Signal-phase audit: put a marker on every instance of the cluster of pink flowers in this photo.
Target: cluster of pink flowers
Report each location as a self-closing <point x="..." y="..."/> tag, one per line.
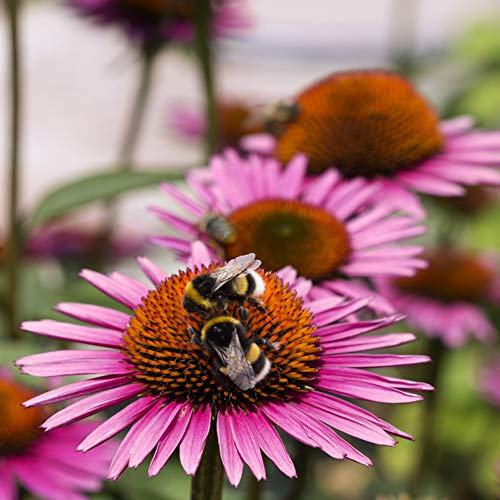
<point x="329" y="239"/>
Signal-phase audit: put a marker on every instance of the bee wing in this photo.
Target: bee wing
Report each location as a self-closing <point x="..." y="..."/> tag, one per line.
<point x="238" y="368"/>
<point x="234" y="268"/>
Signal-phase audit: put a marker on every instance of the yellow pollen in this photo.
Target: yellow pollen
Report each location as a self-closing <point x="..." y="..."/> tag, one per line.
<point x="364" y="123"/>
<point x="283" y="232"/>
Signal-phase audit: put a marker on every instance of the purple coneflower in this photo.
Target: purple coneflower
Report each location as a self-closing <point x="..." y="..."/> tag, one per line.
<point x="446" y="299"/>
<point x="374" y="124"/>
<point x="173" y="395"/>
<point x="46" y="465"/>
<point x="234" y="119"/>
<point x="331" y="230"/>
<point x="161" y="21"/>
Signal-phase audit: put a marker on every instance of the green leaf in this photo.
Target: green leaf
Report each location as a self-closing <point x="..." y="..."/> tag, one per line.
<point x="98" y="187"/>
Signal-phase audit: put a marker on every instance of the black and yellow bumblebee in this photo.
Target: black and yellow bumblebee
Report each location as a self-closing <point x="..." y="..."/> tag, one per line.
<point x="279" y="115"/>
<point x="235" y="355"/>
<point x="218" y="228"/>
<point x="236" y="281"/>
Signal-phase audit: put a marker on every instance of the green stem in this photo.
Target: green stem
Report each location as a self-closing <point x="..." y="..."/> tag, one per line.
<point x="207" y="483"/>
<point x="135" y="122"/>
<point x="403" y="34"/>
<point x="254" y="489"/>
<point x="204" y="53"/>
<point x="429" y="456"/>
<point x="126" y="152"/>
<point x="14" y="243"/>
<point x="303" y="466"/>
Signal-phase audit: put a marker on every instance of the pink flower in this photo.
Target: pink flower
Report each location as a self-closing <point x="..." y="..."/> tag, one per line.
<point x="446" y="299"/>
<point x="489" y="381"/>
<point x="331" y="230"/>
<point x="47" y="465"/>
<point x="374" y="124"/>
<point x="157" y="22"/>
<point x="171" y="389"/>
<point x="234" y="121"/>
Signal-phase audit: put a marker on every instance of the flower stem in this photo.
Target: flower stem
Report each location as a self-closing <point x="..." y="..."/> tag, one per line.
<point x="135" y="122"/>
<point x="207" y="483"/>
<point x="14" y="243"/>
<point x="254" y="488"/>
<point x="303" y="463"/>
<point x="205" y="60"/>
<point x="429" y="455"/>
<point x="127" y="151"/>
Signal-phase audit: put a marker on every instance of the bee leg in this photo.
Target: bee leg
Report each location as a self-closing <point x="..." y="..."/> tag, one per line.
<point x="195" y="338"/>
<point x="272" y="345"/>
<point x="257" y="305"/>
<point x="220" y="373"/>
<point x="243" y="313"/>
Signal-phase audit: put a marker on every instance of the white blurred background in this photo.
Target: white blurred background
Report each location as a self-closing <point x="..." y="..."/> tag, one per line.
<point x="79" y="78"/>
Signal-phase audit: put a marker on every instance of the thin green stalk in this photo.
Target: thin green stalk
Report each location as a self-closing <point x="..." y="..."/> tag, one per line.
<point x="14" y="243"/>
<point x="207" y="483"/>
<point x="303" y="465"/>
<point x="403" y="24"/>
<point x="136" y="119"/>
<point x="429" y="456"/>
<point x="127" y="150"/>
<point x="254" y="488"/>
<point x="205" y="60"/>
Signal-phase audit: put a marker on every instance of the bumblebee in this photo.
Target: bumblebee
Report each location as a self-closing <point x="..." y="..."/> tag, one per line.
<point x="218" y="228"/>
<point x="280" y="115"/>
<point x="237" y="281"/>
<point x="237" y="357"/>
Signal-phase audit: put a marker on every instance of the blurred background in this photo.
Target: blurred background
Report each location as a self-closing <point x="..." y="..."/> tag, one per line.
<point x="78" y="83"/>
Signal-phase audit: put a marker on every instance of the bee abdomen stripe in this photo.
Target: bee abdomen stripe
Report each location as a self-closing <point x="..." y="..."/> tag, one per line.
<point x="196" y="297"/>
<point x="253" y="353"/>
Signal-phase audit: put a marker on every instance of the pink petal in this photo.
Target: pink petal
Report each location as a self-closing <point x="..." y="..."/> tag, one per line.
<point x="270" y="443"/>
<point x="170" y="439"/>
<point x="429" y="184"/>
<point x="193" y="443"/>
<point x="187" y="203"/>
<point x="368" y="391"/>
<point x="366" y="343"/>
<point x="71" y="362"/>
<point x="151" y="270"/>
<point x="457" y="125"/>
<point x="319" y="188"/>
<point x="376" y="360"/>
<point x="76" y="390"/>
<point x="122" y="455"/>
<point x="103" y="337"/>
<point x="233" y="465"/>
<point x="91" y="405"/>
<point x="96" y="315"/>
<point x="200" y="255"/>
<point x="292" y="179"/>
<point x="178" y="223"/>
<point x="8" y="489"/>
<point x="117" y="422"/>
<point x="152" y="432"/>
<point x="112" y="288"/>
<point x="246" y="444"/>
<point x="258" y="143"/>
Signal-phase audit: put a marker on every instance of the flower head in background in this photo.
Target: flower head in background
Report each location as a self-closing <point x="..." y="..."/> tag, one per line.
<point x="69" y="243"/>
<point x="171" y="388"/>
<point x="331" y="230"/>
<point x="489" y="380"/>
<point x="47" y="465"/>
<point x="374" y="124"/>
<point x="446" y="299"/>
<point x="156" y="22"/>
<point x="235" y="120"/>
<point x="475" y="201"/>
